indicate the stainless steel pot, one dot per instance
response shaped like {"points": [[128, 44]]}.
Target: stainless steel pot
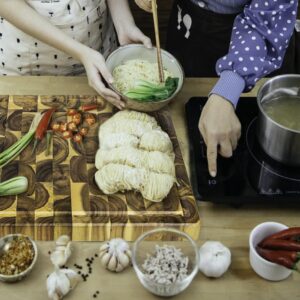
{"points": [[279, 142]]}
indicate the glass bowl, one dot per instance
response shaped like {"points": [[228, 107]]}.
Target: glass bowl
{"points": [[146, 244], [4, 241]]}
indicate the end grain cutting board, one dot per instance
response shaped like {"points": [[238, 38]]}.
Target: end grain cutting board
{"points": [[63, 198]]}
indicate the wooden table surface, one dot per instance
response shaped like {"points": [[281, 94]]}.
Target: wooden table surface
{"points": [[226, 224]]}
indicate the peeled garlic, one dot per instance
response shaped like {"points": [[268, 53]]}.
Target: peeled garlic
{"points": [[215, 259], [61, 282], [62, 251], [115, 255]]}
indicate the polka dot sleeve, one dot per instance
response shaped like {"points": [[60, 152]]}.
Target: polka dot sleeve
{"points": [[259, 40]]}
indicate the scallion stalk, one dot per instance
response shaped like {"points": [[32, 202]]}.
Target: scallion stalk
{"points": [[14, 150]]}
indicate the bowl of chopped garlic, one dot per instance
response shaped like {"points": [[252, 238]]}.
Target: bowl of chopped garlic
{"points": [[18, 256], [165, 261], [136, 77]]}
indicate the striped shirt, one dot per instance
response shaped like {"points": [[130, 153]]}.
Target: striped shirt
{"points": [[260, 37]]}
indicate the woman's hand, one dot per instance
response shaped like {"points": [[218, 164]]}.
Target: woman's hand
{"points": [[220, 129], [127, 31], [130, 33], [96, 69]]}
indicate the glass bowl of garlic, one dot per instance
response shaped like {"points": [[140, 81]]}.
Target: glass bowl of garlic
{"points": [[165, 261]]}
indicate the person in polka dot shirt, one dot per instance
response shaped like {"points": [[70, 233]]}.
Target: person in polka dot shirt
{"points": [[240, 41], [65, 37]]}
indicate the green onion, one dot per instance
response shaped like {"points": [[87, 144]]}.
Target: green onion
{"points": [[14, 186], [147, 91], [14, 150]]}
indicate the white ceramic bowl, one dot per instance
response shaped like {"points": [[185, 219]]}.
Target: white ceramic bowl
{"points": [[261, 266], [20, 276], [137, 51]]}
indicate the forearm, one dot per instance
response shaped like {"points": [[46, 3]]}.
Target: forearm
{"points": [[120, 13], [21, 15], [259, 40]]}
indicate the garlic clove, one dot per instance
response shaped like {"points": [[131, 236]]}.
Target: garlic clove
{"points": [[58, 285], [123, 259], [119, 268], [104, 247], [105, 259], [73, 277], [61, 282], [58, 258], [112, 264], [63, 240], [68, 251], [62, 252], [128, 253]]}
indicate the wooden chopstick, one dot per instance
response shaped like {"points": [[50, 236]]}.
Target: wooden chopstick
{"points": [[156, 28]]}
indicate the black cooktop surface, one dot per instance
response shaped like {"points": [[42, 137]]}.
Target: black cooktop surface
{"points": [[249, 175]]}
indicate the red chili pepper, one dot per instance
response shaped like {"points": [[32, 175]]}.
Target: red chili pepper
{"points": [[280, 245], [42, 127], [72, 112], [67, 134], [290, 233], [90, 119], [77, 118], [88, 107], [287, 259], [83, 131]]}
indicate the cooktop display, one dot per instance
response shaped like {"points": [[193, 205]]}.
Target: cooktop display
{"points": [[250, 175]]}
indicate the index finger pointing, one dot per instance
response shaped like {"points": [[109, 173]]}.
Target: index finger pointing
{"points": [[212, 153]]}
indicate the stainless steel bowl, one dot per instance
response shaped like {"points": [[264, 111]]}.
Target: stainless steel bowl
{"points": [[136, 51], [279, 142], [4, 242]]}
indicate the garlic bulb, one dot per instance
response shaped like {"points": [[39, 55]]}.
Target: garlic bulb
{"points": [[61, 282], [115, 255], [215, 259], [62, 251]]}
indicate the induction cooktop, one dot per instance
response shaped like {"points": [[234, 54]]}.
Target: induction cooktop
{"points": [[250, 175]]}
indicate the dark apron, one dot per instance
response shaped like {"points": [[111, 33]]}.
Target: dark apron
{"points": [[209, 38]]}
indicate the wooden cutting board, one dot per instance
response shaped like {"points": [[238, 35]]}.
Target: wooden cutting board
{"points": [[63, 198]]}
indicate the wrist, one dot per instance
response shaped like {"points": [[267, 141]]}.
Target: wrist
{"points": [[229, 86], [221, 101], [81, 52], [123, 26]]}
